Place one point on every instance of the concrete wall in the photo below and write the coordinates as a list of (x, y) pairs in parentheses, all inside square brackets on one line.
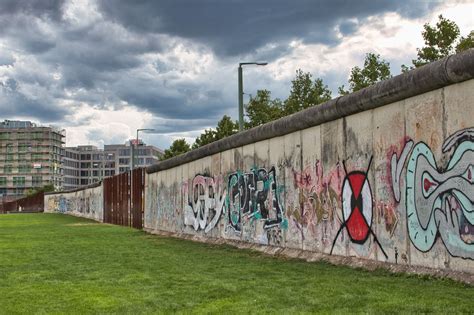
[(388, 176), (86, 203)]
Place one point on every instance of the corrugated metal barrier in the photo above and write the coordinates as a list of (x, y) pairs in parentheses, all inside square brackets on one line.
[(123, 198), (34, 203)]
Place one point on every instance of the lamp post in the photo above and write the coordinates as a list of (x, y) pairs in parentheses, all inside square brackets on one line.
[(241, 91), (136, 145)]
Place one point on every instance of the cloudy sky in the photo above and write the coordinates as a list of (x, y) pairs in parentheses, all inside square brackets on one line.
[(103, 68)]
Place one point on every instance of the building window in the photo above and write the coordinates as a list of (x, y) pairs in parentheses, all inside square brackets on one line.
[(19, 181), (7, 169), (124, 161), (3, 181), (37, 180), (36, 156), (24, 147), (24, 168), (18, 191), (124, 152)]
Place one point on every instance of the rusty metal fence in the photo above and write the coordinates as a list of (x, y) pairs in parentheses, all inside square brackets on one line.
[(124, 198), (34, 203)]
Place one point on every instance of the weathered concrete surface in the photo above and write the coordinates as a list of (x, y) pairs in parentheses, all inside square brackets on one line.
[(86, 203), (390, 183)]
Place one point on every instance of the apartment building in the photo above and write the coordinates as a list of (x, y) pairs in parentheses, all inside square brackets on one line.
[(30, 157), (86, 164)]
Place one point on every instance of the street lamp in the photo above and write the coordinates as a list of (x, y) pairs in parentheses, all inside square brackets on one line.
[(136, 145), (241, 91)]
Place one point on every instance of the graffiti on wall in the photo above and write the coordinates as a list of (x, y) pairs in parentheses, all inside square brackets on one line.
[(439, 200), (318, 198), (84, 204), (253, 195), (357, 208), (58, 204), (205, 203)]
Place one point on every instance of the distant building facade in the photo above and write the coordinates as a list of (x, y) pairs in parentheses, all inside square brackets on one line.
[(86, 164), (30, 157)]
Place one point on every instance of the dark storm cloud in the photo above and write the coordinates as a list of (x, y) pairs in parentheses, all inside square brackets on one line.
[(348, 27), (184, 101), (43, 8), (237, 27), (125, 54), (14, 103), (169, 126)]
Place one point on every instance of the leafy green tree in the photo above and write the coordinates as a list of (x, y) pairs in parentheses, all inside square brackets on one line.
[(34, 191), (178, 147), (465, 43), (207, 137), (375, 70), (305, 93), (262, 109), (439, 41), (226, 127)]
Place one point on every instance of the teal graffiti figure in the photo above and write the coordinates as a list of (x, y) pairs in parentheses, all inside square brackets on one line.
[(440, 202)]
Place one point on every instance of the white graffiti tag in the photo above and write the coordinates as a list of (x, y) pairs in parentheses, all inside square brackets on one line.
[(205, 203)]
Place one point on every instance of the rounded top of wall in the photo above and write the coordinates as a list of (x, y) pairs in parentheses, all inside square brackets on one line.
[(435, 75)]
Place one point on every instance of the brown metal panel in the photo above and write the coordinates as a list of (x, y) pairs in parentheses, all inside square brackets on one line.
[(34, 203)]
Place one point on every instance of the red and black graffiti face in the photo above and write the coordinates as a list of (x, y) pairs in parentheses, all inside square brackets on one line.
[(357, 206)]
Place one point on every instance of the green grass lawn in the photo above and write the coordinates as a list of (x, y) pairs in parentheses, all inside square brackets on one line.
[(61, 264)]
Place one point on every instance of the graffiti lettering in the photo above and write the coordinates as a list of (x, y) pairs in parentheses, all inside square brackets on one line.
[(254, 195), (205, 205)]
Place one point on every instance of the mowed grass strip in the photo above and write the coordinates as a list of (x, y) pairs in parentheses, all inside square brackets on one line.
[(61, 264)]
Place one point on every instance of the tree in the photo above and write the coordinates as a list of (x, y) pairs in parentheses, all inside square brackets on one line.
[(226, 127), (179, 146), (465, 42), (207, 137), (262, 109), (439, 40), (34, 191), (305, 93), (375, 70)]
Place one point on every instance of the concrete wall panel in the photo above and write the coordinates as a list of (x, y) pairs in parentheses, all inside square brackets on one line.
[(392, 183)]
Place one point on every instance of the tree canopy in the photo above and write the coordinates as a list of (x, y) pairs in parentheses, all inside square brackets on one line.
[(441, 40), (178, 147), (305, 93), (262, 109), (225, 127), (375, 70)]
